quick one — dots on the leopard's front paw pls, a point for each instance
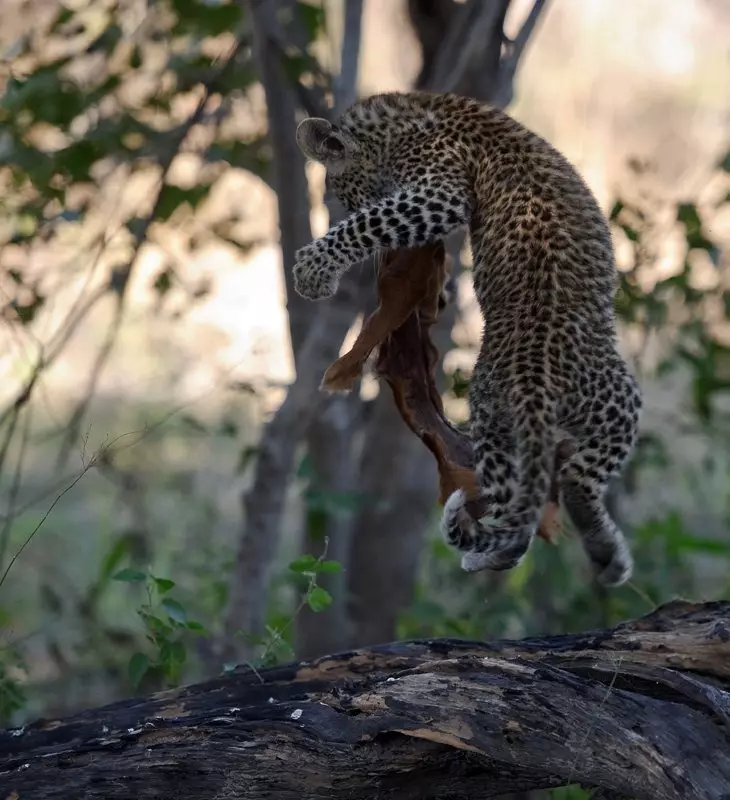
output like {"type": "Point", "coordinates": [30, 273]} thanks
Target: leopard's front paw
{"type": "Point", "coordinates": [315, 275]}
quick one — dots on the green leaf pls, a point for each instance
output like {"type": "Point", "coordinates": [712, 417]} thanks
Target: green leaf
{"type": "Point", "coordinates": [296, 66]}
{"type": "Point", "coordinates": [192, 625]}
{"type": "Point", "coordinates": [135, 60]}
{"type": "Point", "coordinates": [138, 664]}
{"type": "Point", "coordinates": [310, 564]}
{"type": "Point", "coordinates": [312, 16]}
{"type": "Point", "coordinates": [245, 458]}
{"type": "Point", "coordinates": [171, 197]}
{"type": "Point", "coordinates": [163, 282]}
{"type": "Point", "coordinates": [130, 575]}
{"type": "Point", "coordinates": [107, 40]}
{"type": "Point", "coordinates": [306, 563]}
{"type": "Point", "coordinates": [193, 423]}
{"type": "Point", "coordinates": [305, 470]}
{"type": "Point", "coordinates": [26, 226]}
{"type": "Point", "coordinates": [64, 15]}
{"type": "Point", "coordinates": [174, 610]}
{"type": "Point", "coordinates": [137, 226]}
{"type": "Point", "coordinates": [205, 18]}
{"type": "Point", "coordinates": [177, 653]}
{"type": "Point", "coordinates": [75, 161]}
{"type": "Point", "coordinates": [163, 584]}
{"type": "Point", "coordinates": [688, 215]}
{"type": "Point", "coordinates": [725, 162]}
{"type": "Point", "coordinates": [618, 207]}
{"type": "Point", "coordinates": [318, 599]}
{"type": "Point", "coordinates": [154, 624]}
{"type": "Point", "coordinates": [631, 233]}
{"type": "Point", "coordinates": [118, 550]}
{"type": "Point", "coordinates": [26, 313]}
{"type": "Point", "coordinates": [228, 428]}
{"type": "Point", "coordinates": [703, 545]}
{"type": "Point", "coordinates": [459, 383]}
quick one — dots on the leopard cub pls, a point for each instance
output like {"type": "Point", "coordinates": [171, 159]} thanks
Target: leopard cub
{"type": "Point", "coordinates": [411, 168]}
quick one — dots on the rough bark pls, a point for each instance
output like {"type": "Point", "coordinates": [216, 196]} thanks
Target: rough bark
{"type": "Point", "coordinates": [288, 179]}
{"type": "Point", "coordinates": [316, 335]}
{"type": "Point", "coordinates": [639, 711]}
{"type": "Point", "coordinates": [264, 502]}
{"type": "Point", "coordinates": [332, 437]}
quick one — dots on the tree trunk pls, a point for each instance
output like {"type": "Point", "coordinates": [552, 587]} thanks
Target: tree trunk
{"type": "Point", "coordinates": [400, 486]}
{"type": "Point", "coordinates": [640, 711]}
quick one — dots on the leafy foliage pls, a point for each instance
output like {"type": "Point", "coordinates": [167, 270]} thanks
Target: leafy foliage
{"type": "Point", "coordinates": [109, 106]}
{"type": "Point", "coordinates": [94, 101]}
{"type": "Point", "coordinates": [276, 646]}
{"type": "Point", "coordinates": [12, 694]}
{"type": "Point", "coordinates": [165, 622]}
{"type": "Point", "coordinates": [675, 305]}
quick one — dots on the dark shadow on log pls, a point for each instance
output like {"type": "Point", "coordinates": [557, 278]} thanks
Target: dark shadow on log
{"type": "Point", "coordinates": [642, 711]}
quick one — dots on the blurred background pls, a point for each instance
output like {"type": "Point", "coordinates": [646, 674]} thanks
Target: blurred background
{"type": "Point", "coordinates": [175, 495]}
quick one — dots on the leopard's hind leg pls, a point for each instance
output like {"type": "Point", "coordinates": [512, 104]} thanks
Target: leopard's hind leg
{"type": "Point", "coordinates": [605, 430]}
{"type": "Point", "coordinates": [495, 460]}
{"type": "Point", "coordinates": [513, 435]}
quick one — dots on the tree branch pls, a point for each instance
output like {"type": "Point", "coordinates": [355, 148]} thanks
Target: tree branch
{"type": "Point", "coordinates": [289, 179]}
{"type": "Point", "coordinates": [345, 84]}
{"type": "Point", "coordinates": [509, 63]}
{"type": "Point", "coordinates": [470, 29]}
{"type": "Point", "coordinates": [320, 335]}
{"type": "Point", "coordinates": [121, 278]}
{"type": "Point", "coordinates": [641, 711]}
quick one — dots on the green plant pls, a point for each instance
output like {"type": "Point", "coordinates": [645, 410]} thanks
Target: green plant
{"type": "Point", "coordinates": [275, 645]}
{"type": "Point", "coordinates": [166, 623]}
{"type": "Point", "coordinates": [570, 793]}
{"type": "Point", "coordinates": [690, 317]}
{"type": "Point", "coordinates": [12, 693]}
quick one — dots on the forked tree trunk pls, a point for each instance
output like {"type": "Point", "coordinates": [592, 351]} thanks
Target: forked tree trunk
{"type": "Point", "coordinates": [640, 711]}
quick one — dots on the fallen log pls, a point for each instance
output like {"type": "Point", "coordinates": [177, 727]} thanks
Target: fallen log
{"type": "Point", "coordinates": [640, 711]}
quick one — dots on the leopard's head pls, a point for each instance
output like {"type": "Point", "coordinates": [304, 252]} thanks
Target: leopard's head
{"type": "Point", "coordinates": [352, 172]}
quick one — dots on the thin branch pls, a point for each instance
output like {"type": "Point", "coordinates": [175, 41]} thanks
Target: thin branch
{"type": "Point", "coordinates": [263, 502]}
{"type": "Point", "coordinates": [142, 433]}
{"type": "Point", "coordinates": [13, 412]}
{"type": "Point", "coordinates": [87, 465]}
{"type": "Point", "coordinates": [289, 179]}
{"type": "Point", "coordinates": [120, 279]}
{"type": "Point", "coordinates": [465, 36]}
{"type": "Point", "coordinates": [73, 426]}
{"type": "Point", "coordinates": [48, 354]}
{"type": "Point", "coordinates": [345, 84]}
{"type": "Point", "coordinates": [15, 486]}
{"type": "Point", "coordinates": [511, 60]}
{"type": "Point", "coordinates": [265, 14]}
{"type": "Point", "coordinates": [35, 530]}
{"type": "Point", "coordinates": [315, 337]}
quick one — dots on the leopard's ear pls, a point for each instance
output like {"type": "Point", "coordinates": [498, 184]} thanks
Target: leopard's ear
{"type": "Point", "coordinates": [320, 141]}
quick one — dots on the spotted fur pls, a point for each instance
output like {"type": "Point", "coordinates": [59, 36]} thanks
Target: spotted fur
{"type": "Point", "coordinates": [411, 168]}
